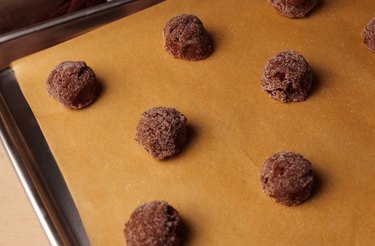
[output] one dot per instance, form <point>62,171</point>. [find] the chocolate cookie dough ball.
<point>287,77</point>
<point>153,224</point>
<point>73,84</point>
<point>186,38</point>
<point>369,35</point>
<point>287,177</point>
<point>161,131</point>
<point>293,8</point>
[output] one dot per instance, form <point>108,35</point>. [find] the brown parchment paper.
<point>234,125</point>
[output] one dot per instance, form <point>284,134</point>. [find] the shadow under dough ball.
<point>294,8</point>
<point>368,35</point>
<point>161,131</point>
<point>73,84</point>
<point>153,224</point>
<point>186,38</point>
<point>287,77</point>
<point>287,177</point>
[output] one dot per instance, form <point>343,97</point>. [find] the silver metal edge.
<point>19,43</point>
<point>10,146</point>
<point>60,20</point>
<point>17,151</point>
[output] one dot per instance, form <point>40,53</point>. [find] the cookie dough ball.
<point>287,77</point>
<point>186,38</point>
<point>161,131</point>
<point>287,177</point>
<point>153,224</point>
<point>293,8</point>
<point>369,35</point>
<point>73,84</point>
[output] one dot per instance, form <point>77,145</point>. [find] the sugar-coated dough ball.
<point>73,84</point>
<point>153,224</point>
<point>287,77</point>
<point>161,131</point>
<point>186,38</point>
<point>368,35</point>
<point>294,8</point>
<point>287,177</point>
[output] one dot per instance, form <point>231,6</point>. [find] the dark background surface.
<point>15,14</point>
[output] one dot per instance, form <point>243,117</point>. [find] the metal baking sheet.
<point>21,136</point>
<point>36,167</point>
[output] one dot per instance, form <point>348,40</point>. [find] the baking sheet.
<point>36,167</point>
<point>20,133</point>
<point>234,126</point>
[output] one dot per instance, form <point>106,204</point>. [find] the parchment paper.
<point>234,125</point>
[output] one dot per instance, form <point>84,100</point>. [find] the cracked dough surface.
<point>233,125</point>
